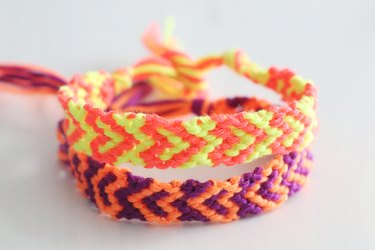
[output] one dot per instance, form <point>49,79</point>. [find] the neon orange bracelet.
<point>94,137</point>
<point>153,141</point>
<point>122,195</point>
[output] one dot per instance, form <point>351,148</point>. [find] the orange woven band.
<point>109,120</point>
<point>118,193</point>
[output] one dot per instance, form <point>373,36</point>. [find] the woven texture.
<point>122,195</point>
<point>152,141</point>
<point>112,118</point>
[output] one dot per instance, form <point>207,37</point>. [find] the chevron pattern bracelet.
<point>150,140</point>
<point>114,118</point>
<point>122,195</point>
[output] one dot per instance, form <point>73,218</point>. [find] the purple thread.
<point>197,106</point>
<point>105,181</point>
<point>214,205</point>
<point>290,160</point>
<point>191,189</point>
<point>93,168</point>
<point>236,102</point>
<point>151,200</point>
<point>30,83</point>
<point>135,185</point>
<point>247,181</point>
<point>265,187</point>
<point>76,161</point>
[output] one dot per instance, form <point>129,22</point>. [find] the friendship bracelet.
<point>118,193</point>
<point>122,195</point>
<point>219,139</point>
<point>113,118</point>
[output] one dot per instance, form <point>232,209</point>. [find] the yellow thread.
<point>261,120</point>
<point>202,131</point>
<point>178,144</point>
<point>245,141</point>
<point>133,126</point>
<point>154,68</point>
<point>297,127</point>
<point>116,138</point>
<point>79,114</point>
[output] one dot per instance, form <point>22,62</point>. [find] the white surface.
<point>331,42</point>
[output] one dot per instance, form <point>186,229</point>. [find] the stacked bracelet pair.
<point>121,117</point>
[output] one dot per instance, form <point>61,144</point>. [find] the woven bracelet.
<point>149,140</point>
<point>118,193</point>
<point>122,195</point>
<point>113,118</point>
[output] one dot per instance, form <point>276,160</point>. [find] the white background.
<point>331,42</point>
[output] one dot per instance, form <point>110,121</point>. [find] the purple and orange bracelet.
<point>123,117</point>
